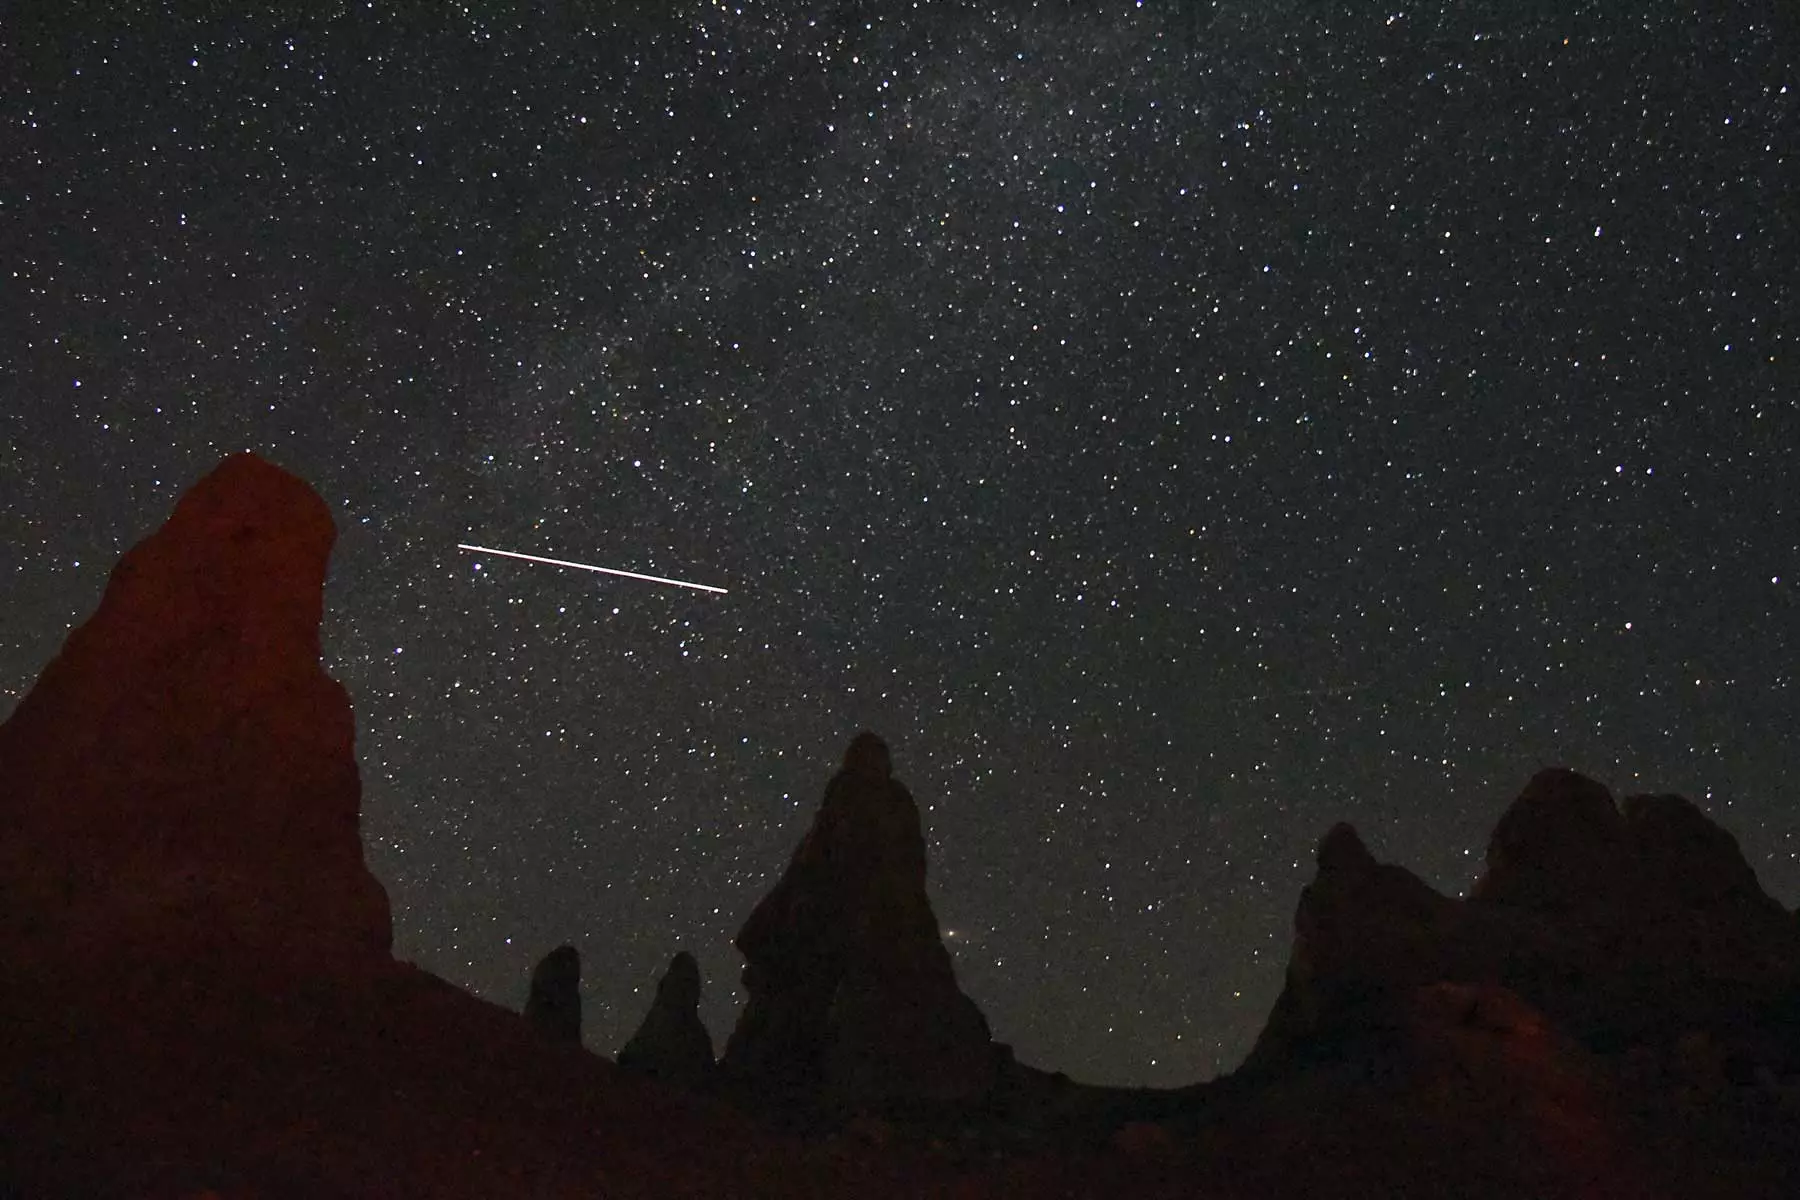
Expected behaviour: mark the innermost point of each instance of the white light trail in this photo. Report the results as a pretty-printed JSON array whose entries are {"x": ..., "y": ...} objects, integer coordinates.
[{"x": 563, "y": 562}]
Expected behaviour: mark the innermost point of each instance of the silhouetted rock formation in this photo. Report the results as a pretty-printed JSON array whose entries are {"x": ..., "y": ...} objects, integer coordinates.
[
  {"x": 198, "y": 998},
  {"x": 183, "y": 776},
  {"x": 1559, "y": 847},
  {"x": 1627, "y": 925},
  {"x": 853, "y": 1002},
  {"x": 197, "y": 995},
  {"x": 1365, "y": 934},
  {"x": 554, "y": 1004},
  {"x": 672, "y": 1044}
]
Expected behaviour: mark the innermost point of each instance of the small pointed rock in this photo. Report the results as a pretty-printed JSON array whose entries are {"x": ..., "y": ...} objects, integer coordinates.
[
  {"x": 672, "y": 1044},
  {"x": 1342, "y": 850},
  {"x": 554, "y": 1005}
]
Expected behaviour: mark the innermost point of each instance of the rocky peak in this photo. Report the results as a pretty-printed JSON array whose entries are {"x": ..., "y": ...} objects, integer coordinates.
[
  {"x": 867, "y": 759},
  {"x": 1342, "y": 850},
  {"x": 680, "y": 985},
  {"x": 1365, "y": 933},
  {"x": 1690, "y": 859},
  {"x": 1559, "y": 846},
  {"x": 1362, "y": 915},
  {"x": 1651, "y": 888},
  {"x": 672, "y": 1044},
  {"x": 853, "y": 1001}
]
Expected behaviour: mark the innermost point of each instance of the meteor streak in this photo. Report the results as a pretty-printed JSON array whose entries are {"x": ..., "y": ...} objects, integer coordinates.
[{"x": 561, "y": 562}]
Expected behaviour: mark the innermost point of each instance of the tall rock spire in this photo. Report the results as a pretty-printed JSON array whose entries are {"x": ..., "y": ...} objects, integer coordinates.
[
  {"x": 183, "y": 775},
  {"x": 853, "y": 1001}
]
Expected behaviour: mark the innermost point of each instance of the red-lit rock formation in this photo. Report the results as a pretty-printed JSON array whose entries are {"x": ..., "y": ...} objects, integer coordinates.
[
  {"x": 853, "y": 1001},
  {"x": 196, "y": 995},
  {"x": 183, "y": 774},
  {"x": 1453, "y": 1090}
]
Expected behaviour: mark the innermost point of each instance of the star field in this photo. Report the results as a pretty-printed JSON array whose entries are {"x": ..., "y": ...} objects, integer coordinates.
[{"x": 1174, "y": 427}]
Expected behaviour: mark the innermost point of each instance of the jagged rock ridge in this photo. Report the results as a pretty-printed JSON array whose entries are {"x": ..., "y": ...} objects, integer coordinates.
[{"x": 1627, "y": 924}]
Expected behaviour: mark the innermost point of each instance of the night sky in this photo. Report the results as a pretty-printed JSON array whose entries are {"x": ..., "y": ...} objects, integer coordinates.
[{"x": 1174, "y": 427}]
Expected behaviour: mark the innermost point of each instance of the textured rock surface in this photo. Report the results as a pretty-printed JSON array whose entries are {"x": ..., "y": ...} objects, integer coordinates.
[
  {"x": 672, "y": 1044},
  {"x": 553, "y": 1006},
  {"x": 183, "y": 774},
  {"x": 853, "y": 1001}
]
